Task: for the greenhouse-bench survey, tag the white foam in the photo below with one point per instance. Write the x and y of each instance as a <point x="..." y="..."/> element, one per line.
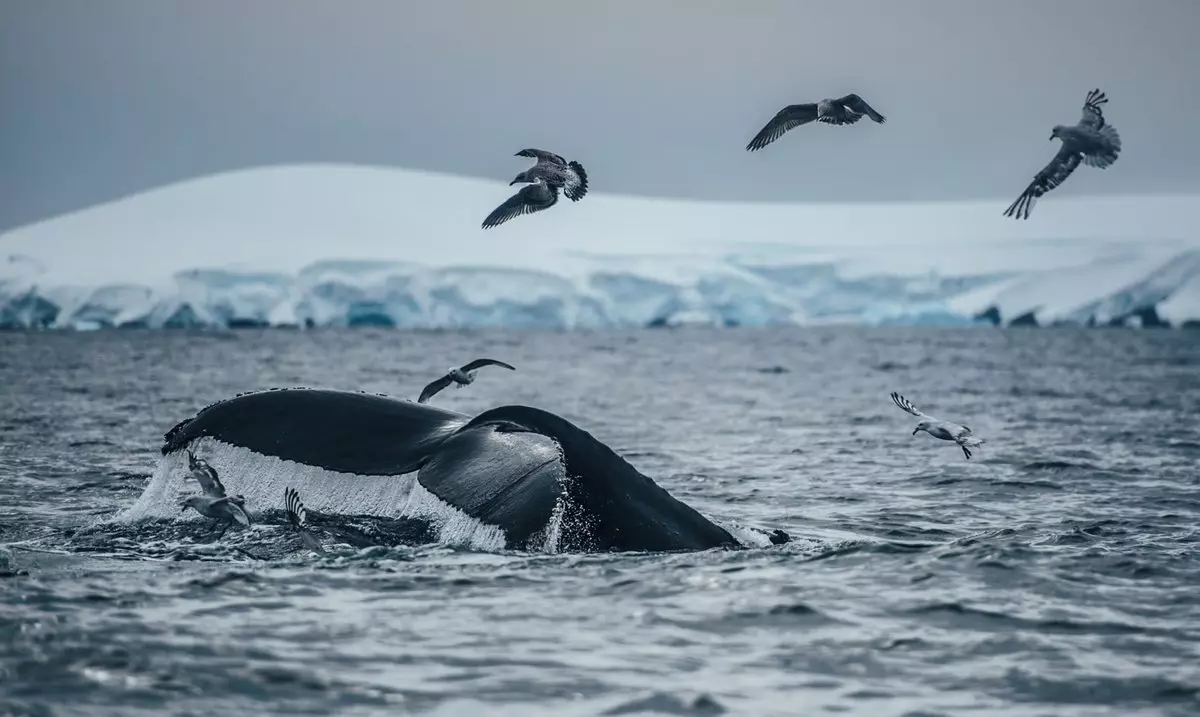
<point x="554" y="528"/>
<point x="749" y="537"/>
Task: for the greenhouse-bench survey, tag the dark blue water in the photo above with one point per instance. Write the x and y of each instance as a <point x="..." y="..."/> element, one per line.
<point x="1057" y="573"/>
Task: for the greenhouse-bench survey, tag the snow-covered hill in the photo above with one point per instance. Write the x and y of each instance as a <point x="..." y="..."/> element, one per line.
<point x="337" y="246"/>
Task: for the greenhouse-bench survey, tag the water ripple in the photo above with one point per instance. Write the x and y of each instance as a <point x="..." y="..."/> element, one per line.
<point x="1055" y="573"/>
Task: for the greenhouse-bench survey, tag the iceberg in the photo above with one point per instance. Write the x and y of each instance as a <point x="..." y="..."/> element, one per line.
<point x="326" y="246"/>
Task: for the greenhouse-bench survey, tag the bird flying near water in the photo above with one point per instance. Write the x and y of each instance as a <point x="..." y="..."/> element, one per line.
<point x="1093" y="142"/>
<point x="549" y="175"/>
<point x="840" y="111"/>
<point x="938" y="428"/>
<point x="461" y="376"/>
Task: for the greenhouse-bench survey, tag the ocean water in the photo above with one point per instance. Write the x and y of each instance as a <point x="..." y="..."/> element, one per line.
<point x="1056" y="573"/>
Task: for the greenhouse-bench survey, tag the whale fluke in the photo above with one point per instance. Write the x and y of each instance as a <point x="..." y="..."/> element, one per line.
<point x="512" y="467"/>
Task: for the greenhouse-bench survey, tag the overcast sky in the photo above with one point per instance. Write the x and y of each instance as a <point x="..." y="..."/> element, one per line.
<point x="99" y="100"/>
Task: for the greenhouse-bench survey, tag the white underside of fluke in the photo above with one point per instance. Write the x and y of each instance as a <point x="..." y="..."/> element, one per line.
<point x="261" y="479"/>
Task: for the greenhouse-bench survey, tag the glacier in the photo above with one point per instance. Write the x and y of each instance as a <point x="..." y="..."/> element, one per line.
<point x="331" y="246"/>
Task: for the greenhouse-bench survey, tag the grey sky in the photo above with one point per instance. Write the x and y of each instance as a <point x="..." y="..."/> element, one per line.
<point x="656" y="97"/>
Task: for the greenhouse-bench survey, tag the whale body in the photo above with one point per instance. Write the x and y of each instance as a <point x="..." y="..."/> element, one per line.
<point x="511" y="467"/>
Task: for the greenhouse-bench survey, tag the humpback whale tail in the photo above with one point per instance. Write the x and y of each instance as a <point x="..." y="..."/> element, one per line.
<point x="597" y="484"/>
<point x="512" y="477"/>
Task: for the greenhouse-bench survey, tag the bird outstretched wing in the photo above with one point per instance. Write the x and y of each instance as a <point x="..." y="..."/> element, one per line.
<point x="296" y="513"/>
<point x="907" y="405"/>
<point x="529" y="199"/>
<point x="298" y="517"/>
<point x="542" y="155"/>
<point x="1093" y="112"/>
<point x="859" y="106"/>
<point x="1052" y="175"/>
<point x="785" y="119"/>
<point x="206" y="476"/>
<point x="576" y="185"/>
<point x="481" y="362"/>
<point x="434" y="386"/>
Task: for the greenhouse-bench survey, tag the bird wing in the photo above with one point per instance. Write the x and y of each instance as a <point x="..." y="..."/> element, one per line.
<point x="542" y="155"/>
<point x="1052" y="175"/>
<point x="239" y="513"/>
<point x="434" y="386"/>
<point x="576" y="184"/>
<point x="784" y="120"/>
<point x="296" y="513"/>
<point x="481" y="362"/>
<point x="298" y="517"/>
<point x="529" y="199"/>
<point x="859" y="106"/>
<point x="571" y="177"/>
<point x="206" y="476"/>
<point x="1093" y="114"/>
<point x="905" y="404"/>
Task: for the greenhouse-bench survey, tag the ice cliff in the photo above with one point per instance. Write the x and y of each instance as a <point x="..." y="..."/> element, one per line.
<point x="314" y="247"/>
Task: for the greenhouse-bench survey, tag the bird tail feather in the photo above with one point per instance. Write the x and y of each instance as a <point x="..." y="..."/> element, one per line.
<point x="1110" y="133"/>
<point x="1107" y="154"/>
<point x="577" y="193"/>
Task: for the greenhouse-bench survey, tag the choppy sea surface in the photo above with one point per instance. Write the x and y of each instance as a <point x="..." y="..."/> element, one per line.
<point x="1055" y="573"/>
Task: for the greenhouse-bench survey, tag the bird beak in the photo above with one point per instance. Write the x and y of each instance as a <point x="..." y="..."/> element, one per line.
<point x="915" y="431"/>
<point x="512" y="182"/>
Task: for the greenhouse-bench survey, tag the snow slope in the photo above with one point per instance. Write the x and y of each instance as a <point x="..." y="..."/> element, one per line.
<point x="337" y="245"/>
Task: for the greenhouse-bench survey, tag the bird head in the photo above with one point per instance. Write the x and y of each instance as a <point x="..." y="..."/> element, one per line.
<point x="1056" y="132"/>
<point x="922" y="426"/>
<point x="519" y="178"/>
<point x="188" y="503"/>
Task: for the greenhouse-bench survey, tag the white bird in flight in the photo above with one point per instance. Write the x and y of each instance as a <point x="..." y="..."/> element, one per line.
<point x="460" y="376"/>
<point x="938" y="428"/>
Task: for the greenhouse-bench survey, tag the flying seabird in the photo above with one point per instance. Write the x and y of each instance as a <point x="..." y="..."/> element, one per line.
<point x="213" y="502"/>
<point x="937" y="428"/>
<point x="529" y="199"/>
<point x="841" y="111"/>
<point x="460" y="376"/>
<point x="570" y="177"/>
<point x="298" y="517"/>
<point x="1093" y="142"/>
